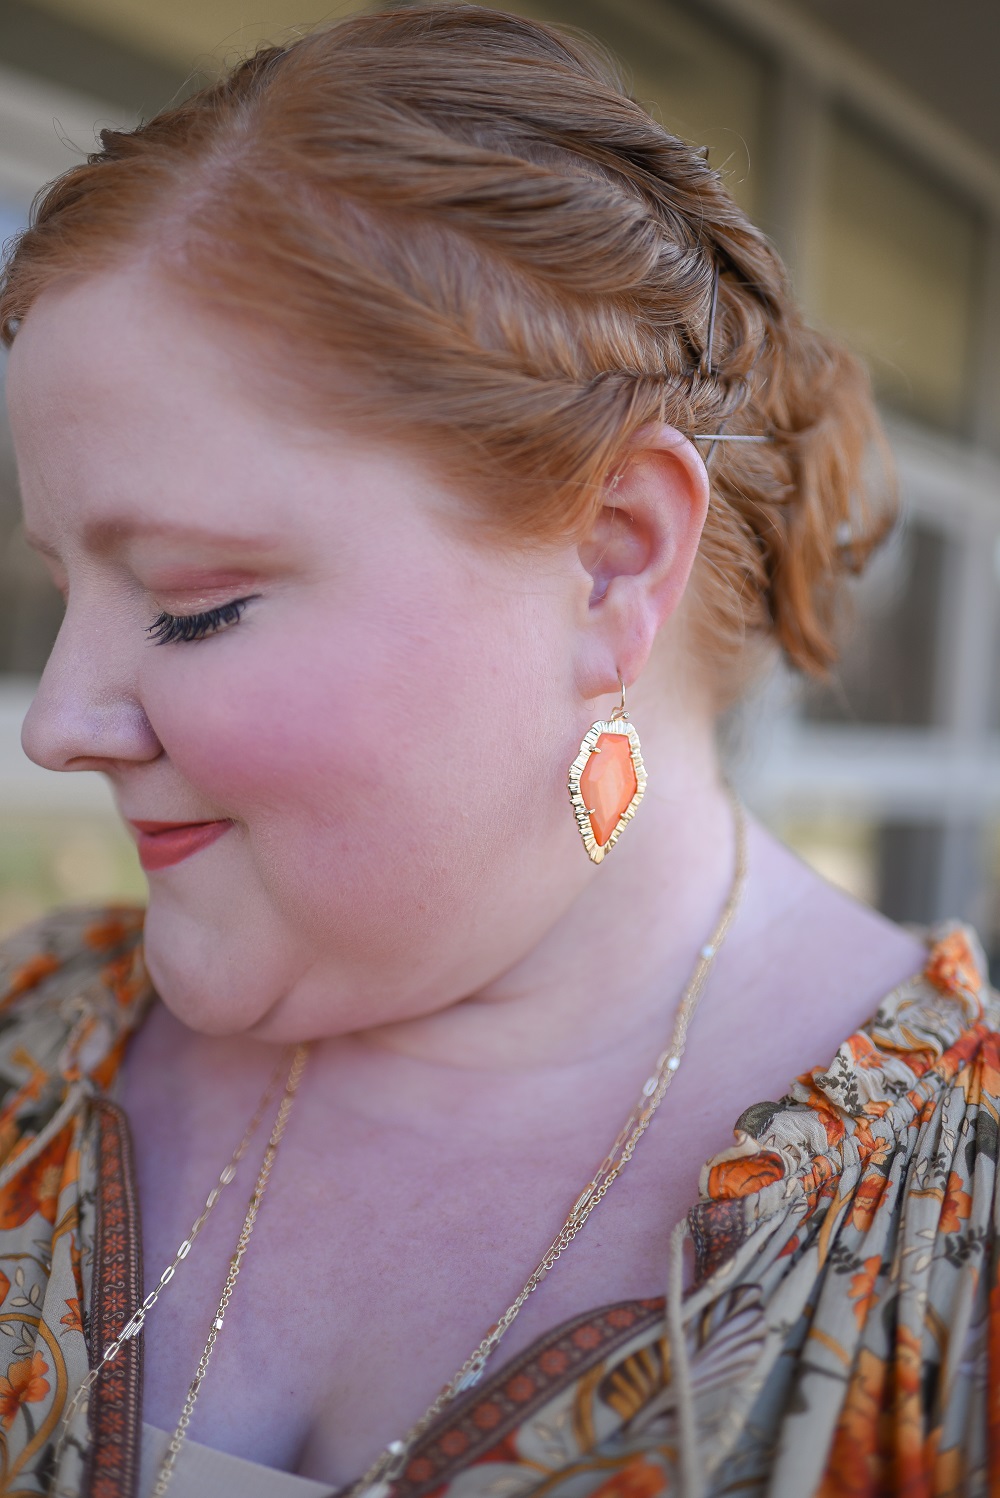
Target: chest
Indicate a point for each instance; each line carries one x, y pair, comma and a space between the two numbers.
383, 1252
374, 1268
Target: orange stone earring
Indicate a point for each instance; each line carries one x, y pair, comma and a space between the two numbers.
607, 780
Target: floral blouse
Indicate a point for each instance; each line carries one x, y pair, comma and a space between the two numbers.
842, 1336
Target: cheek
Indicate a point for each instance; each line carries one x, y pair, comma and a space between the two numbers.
384, 775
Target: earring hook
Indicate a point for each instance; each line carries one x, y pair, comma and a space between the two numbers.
619, 712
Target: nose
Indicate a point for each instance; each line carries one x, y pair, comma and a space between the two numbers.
86, 714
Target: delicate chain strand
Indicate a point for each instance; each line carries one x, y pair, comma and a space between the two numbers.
135, 1323
257, 1196
388, 1466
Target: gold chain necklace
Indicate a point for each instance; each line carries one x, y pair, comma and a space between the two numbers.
377, 1482
137, 1320
260, 1186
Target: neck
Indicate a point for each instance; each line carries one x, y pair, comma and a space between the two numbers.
593, 1003
608, 975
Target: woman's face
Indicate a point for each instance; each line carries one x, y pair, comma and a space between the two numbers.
382, 734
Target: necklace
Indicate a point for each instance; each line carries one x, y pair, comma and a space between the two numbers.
378, 1481
260, 1186
137, 1320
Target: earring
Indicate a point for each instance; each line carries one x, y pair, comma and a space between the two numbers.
607, 780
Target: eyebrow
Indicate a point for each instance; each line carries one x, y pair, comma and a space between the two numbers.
103, 536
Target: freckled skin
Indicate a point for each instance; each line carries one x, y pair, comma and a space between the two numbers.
388, 727
361, 718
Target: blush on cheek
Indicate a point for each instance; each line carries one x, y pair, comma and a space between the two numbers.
385, 812
350, 825
217, 951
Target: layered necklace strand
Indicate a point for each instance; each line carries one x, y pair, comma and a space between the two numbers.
253, 1207
377, 1482
137, 1320
389, 1465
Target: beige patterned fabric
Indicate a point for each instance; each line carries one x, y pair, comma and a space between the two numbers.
842, 1336
204, 1473
71, 990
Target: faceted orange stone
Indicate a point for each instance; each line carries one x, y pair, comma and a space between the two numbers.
608, 784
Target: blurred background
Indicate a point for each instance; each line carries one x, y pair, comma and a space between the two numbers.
865, 138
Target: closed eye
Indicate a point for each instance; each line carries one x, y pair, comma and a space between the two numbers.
167, 628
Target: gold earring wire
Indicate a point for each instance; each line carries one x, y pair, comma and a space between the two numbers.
605, 791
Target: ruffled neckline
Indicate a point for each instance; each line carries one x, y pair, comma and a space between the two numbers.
922, 1033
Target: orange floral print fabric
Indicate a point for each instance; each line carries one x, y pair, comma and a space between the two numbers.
71, 989
842, 1336
24, 1384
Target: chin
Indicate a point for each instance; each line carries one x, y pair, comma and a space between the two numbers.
208, 970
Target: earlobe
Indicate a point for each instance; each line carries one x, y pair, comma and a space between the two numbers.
641, 549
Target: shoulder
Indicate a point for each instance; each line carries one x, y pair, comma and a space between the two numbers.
863, 1205
902, 1110
824, 925
72, 988
856, 1026
820, 962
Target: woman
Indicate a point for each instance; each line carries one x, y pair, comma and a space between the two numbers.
387, 413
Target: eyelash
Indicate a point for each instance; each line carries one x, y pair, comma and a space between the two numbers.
166, 628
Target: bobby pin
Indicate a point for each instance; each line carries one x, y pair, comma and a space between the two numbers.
706, 362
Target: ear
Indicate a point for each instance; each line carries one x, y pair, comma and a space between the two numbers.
639, 554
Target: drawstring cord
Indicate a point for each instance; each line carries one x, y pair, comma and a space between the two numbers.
692, 1484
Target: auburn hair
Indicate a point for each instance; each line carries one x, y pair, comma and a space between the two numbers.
466, 214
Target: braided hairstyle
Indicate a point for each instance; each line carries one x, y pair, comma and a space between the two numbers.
460, 217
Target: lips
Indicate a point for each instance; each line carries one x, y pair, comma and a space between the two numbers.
164, 843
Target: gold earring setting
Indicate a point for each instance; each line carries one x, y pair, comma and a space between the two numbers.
607, 781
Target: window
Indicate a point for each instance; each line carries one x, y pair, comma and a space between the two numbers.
898, 267
703, 85
887, 674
